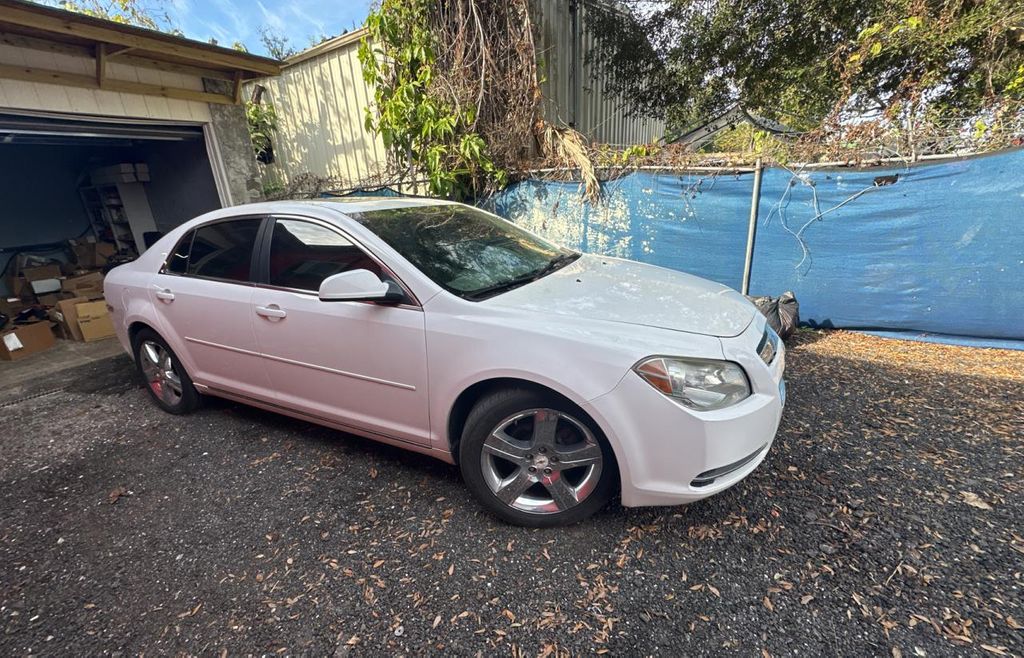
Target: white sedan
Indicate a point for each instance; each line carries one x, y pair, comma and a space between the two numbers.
554, 380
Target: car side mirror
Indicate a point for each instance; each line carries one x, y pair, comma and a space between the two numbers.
358, 286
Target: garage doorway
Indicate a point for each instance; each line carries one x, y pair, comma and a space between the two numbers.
56, 172
79, 195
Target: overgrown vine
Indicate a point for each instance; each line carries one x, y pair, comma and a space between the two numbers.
457, 96
262, 121
421, 128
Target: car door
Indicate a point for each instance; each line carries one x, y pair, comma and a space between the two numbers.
359, 364
203, 299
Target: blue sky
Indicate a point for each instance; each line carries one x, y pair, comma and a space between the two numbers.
228, 21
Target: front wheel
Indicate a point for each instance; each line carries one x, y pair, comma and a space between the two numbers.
165, 378
534, 460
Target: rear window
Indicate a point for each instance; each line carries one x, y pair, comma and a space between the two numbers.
224, 250
177, 262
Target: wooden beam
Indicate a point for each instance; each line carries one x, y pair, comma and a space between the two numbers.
85, 27
46, 45
30, 74
238, 87
101, 64
113, 50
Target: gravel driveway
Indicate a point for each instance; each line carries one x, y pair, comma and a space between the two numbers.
887, 519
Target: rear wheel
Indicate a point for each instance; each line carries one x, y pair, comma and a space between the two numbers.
165, 378
534, 460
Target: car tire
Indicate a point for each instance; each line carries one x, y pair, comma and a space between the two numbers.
163, 375
515, 454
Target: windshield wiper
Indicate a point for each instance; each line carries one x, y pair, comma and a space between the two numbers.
556, 263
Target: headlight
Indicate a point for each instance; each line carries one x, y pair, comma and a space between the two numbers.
697, 383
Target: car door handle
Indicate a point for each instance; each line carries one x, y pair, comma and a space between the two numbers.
164, 294
271, 311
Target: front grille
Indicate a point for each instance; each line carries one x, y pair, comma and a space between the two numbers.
709, 477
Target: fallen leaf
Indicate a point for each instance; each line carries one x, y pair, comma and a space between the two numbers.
189, 613
116, 493
974, 500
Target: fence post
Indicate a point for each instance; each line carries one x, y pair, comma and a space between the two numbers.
755, 201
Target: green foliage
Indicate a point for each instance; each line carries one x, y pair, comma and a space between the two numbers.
800, 61
954, 57
418, 127
262, 121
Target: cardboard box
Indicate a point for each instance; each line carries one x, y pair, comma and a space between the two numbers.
94, 321
41, 272
11, 306
66, 315
87, 284
25, 340
91, 255
49, 299
17, 286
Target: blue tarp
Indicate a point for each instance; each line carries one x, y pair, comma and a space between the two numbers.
940, 250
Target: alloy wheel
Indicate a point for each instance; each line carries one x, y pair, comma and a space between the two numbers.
158, 368
541, 461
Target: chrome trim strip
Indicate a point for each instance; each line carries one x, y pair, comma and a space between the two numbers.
314, 295
207, 343
281, 359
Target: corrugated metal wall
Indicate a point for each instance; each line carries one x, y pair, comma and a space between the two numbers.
601, 116
320, 103
320, 99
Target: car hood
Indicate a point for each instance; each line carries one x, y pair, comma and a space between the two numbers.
616, 290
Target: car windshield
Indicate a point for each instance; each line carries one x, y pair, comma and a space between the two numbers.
466, 251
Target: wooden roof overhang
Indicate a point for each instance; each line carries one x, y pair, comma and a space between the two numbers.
29, 25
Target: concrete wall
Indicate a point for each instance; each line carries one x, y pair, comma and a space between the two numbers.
42, 182
231, 134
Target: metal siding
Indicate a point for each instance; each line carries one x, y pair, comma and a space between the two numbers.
602, 116
319, 104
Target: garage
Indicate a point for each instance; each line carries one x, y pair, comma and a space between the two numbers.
110, 135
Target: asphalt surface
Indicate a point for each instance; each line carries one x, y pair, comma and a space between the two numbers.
887, 519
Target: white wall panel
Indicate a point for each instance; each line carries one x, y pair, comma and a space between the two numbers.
46, 97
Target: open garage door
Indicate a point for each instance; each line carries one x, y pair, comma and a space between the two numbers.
55, 170
79, 193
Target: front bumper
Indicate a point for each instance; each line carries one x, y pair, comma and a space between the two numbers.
671, 455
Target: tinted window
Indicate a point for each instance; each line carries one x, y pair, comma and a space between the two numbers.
303, 254
224, 250
464, 250
177, 262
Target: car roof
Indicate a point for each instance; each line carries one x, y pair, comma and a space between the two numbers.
366, 203
336, 204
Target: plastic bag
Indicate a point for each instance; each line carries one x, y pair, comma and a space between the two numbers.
783, 312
